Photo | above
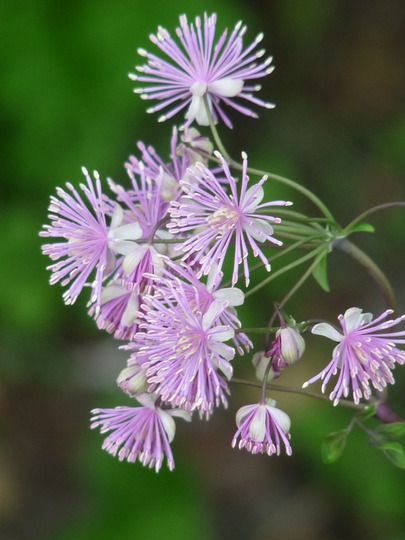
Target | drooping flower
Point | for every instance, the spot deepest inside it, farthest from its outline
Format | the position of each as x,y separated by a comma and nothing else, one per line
188,360
365,356
286,349
262,429
219,221
87,243
139,433
194,146
202,68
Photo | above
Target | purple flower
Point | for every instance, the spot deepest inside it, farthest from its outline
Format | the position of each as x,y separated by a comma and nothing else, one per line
365,355
262,429
87,242
139,433
202,295
217,220
188,361
200,68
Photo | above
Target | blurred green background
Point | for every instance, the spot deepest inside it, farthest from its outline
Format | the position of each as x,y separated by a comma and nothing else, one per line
339,127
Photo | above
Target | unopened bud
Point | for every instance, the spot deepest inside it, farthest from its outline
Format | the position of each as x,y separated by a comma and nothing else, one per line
132,380
260,362
292,344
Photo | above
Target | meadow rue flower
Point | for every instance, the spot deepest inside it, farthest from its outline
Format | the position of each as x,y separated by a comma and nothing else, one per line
365,356
139,433
87,242
262,429
132,379
195,146
292,344
202,295
218,220
188,360
202,70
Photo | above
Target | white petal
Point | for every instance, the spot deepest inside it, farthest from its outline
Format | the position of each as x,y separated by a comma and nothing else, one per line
256,200
197,111
353,318
179,413
212,313
130,231
282,418
226,87
225,351
260,230
222,333
168,424
117,217
225,367
326,330
132,260
243,413
122,247
257,428
235,297
111,292
131,311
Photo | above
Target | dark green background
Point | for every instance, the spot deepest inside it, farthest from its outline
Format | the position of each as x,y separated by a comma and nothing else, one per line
339,127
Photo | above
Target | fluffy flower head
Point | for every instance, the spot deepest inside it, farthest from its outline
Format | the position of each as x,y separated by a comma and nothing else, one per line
219,220
365,355
202,71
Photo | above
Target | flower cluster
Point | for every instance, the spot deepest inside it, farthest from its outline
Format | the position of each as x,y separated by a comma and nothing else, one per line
161,258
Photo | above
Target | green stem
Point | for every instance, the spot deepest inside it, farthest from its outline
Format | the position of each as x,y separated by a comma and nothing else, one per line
215,134
293,390
278,273
385,206
375,271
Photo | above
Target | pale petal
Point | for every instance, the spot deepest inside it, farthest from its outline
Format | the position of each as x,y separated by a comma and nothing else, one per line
131,311
117,217
111,292
179,413
226,87
147,400
256,200
212,313
132,260
282,419
260,230
326,330
354,318
235,297
222,333
168,424
243,412
257,428
130,231
225,351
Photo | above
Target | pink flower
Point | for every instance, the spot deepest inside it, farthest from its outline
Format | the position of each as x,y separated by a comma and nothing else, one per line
217,220
202,67
139,433
365,355
262,429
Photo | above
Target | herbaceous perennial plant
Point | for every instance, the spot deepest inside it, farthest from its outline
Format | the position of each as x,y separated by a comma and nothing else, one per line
160,259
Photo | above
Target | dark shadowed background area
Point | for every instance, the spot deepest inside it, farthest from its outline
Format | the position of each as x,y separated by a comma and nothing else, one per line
339,127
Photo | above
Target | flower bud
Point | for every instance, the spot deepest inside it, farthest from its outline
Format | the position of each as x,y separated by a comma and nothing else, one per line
132,380
260,362
292,344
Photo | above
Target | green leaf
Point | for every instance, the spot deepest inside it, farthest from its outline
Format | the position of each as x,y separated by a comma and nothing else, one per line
362,227
395,430
394,452
320,273
333,446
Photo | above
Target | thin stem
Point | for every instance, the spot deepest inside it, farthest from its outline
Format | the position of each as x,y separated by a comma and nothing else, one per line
366,213
290,266
283,180
375,271
258,330
293,390
214,131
